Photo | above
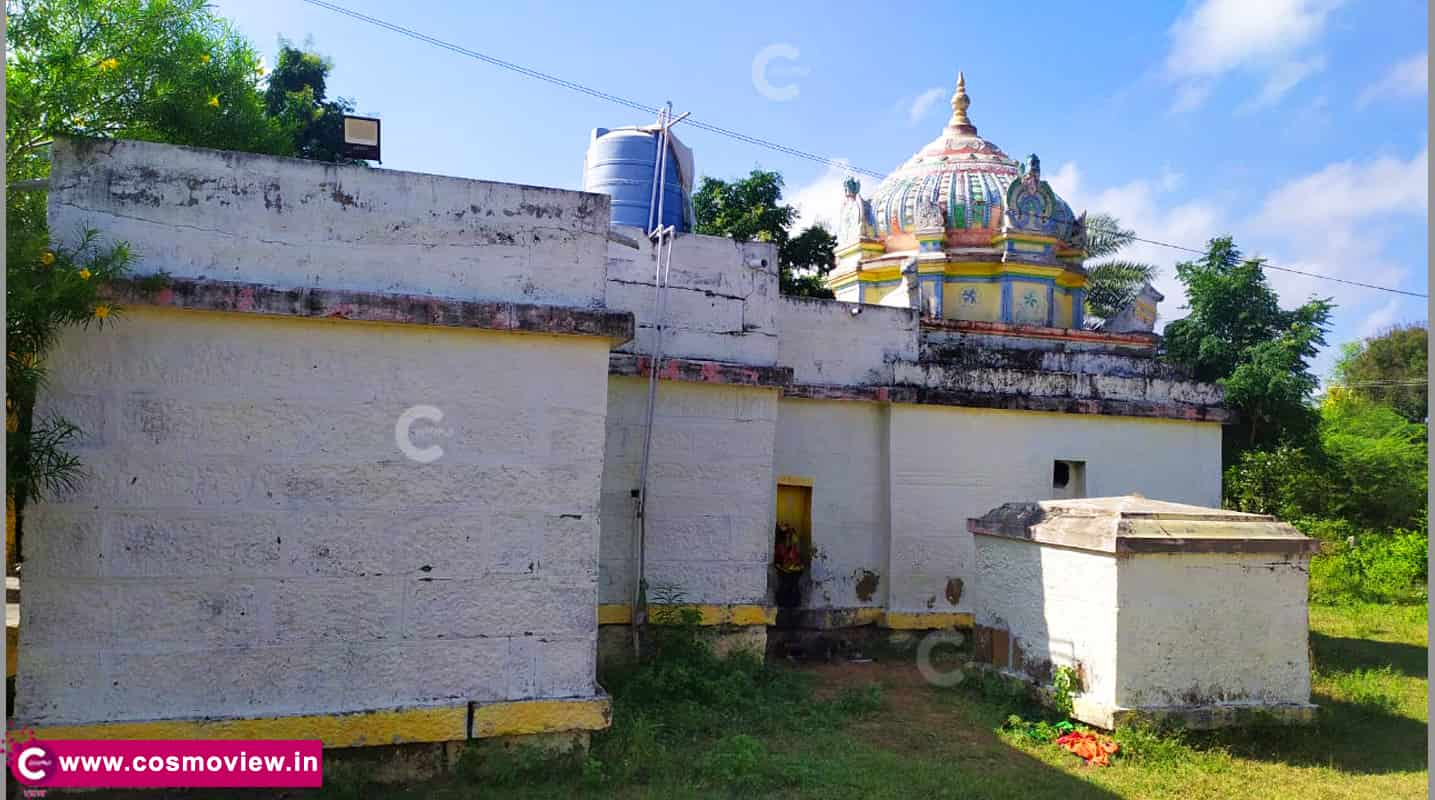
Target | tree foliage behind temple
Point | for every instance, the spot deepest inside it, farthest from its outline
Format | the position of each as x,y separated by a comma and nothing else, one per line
751,209
1389,368
1236,334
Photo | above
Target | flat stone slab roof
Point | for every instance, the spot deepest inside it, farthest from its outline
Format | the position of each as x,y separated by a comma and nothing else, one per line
1132,524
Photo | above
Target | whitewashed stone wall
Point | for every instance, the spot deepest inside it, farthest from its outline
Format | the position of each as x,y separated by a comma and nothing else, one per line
826,344
1235,634
722,297
1061,603
252,541
842,448
949,464
292,223
710,490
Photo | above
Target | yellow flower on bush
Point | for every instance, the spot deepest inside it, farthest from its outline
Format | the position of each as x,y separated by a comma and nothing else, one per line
102,311
109,64
214,101
204,59
84,274
47,258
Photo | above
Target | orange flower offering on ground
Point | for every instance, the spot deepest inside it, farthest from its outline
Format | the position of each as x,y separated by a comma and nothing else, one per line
1093,748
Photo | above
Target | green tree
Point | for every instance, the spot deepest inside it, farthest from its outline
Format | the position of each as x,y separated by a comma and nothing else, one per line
1111,283
1389,368
805,260
159,70
1378,464
1236,334
297,95
751,209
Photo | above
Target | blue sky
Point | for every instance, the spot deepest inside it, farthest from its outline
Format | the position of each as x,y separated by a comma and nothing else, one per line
1297,126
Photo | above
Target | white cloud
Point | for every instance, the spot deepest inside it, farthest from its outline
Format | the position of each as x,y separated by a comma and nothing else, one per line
923,103
1343,193
821,199
1409,78
1335,221
1266,37
1282,79
1066,181
1379,319
1142,205
1191,95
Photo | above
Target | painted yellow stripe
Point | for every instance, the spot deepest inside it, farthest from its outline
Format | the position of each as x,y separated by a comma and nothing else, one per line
541,716
622,614
982,269
361,729
923,621
367,728
615,614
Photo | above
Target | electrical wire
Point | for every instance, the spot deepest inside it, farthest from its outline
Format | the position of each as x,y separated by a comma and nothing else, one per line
753,140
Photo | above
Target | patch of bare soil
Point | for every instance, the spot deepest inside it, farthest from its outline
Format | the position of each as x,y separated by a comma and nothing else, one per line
915,716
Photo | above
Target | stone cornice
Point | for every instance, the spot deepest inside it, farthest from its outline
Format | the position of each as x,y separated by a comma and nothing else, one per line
363,306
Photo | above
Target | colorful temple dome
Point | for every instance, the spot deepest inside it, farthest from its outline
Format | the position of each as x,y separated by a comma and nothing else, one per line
963,207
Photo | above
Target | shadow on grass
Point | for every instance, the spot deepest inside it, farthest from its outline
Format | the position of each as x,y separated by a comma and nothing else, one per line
1340,653
1360,737
1348,736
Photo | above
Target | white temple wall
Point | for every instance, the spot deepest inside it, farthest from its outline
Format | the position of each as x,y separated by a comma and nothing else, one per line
1062,603
1236,633
722,297
710,490
253,543
290,222
825,343
949,464
841,447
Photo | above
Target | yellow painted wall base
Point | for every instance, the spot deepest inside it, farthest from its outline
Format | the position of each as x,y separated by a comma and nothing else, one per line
925,621
367,728
622,614
541,716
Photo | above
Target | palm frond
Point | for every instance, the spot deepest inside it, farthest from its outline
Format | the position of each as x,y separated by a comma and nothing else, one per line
1112,285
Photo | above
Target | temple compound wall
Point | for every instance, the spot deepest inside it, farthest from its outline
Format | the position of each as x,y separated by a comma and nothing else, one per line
266,543
281,536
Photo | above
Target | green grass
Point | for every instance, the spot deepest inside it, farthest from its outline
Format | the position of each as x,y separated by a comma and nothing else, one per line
693,726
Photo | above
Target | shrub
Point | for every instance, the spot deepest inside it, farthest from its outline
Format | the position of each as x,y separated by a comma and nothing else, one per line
1286,481
1377,568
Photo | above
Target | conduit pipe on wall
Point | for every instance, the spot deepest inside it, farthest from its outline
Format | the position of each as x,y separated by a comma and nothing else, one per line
662,238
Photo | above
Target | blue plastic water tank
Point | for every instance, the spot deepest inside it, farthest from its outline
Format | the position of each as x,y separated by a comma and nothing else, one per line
619,164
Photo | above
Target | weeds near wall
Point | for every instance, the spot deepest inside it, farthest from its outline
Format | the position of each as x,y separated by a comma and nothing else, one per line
684,710
1065,685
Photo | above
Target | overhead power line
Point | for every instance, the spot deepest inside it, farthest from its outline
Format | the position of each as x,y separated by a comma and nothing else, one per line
742,137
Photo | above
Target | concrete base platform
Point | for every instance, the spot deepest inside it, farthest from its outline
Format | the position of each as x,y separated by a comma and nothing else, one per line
1197,718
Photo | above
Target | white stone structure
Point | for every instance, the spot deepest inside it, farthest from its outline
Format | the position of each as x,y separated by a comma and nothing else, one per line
1164,610
257,547
264,537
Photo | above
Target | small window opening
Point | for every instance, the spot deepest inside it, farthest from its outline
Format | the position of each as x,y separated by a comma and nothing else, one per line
1068,479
